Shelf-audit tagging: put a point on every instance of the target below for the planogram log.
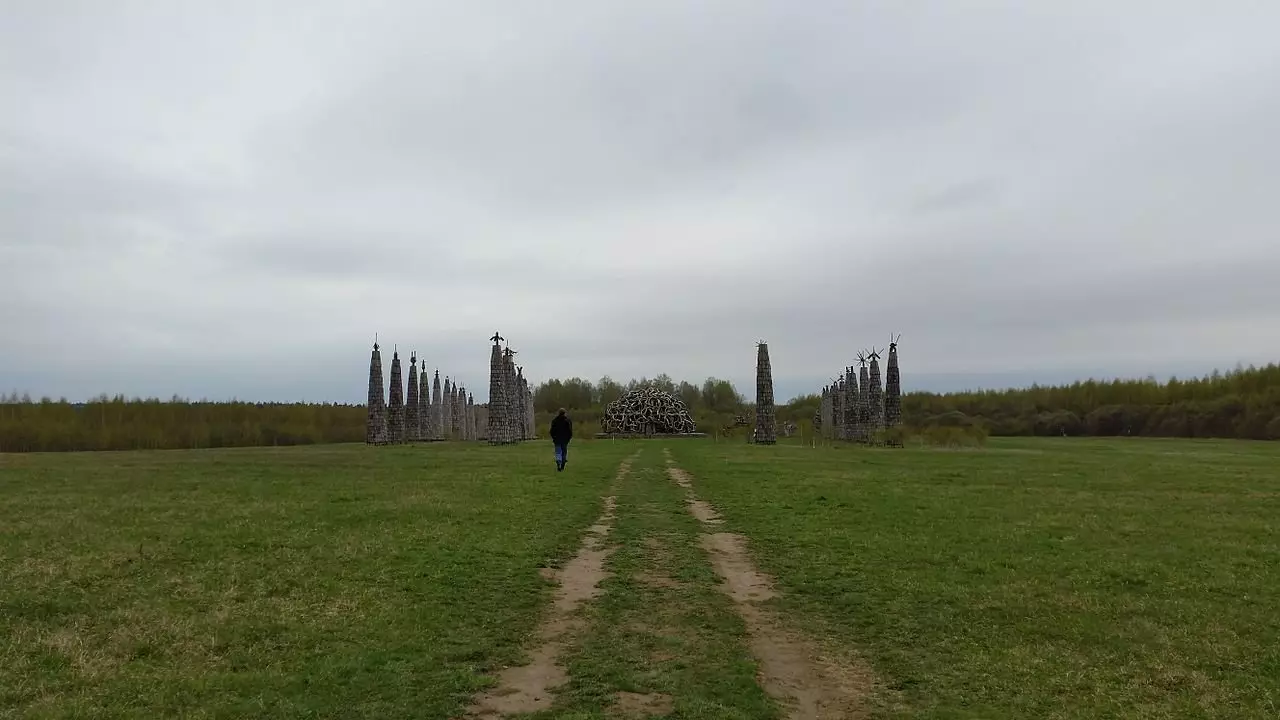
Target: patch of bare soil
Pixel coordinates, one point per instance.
(682, 478)
(742, 582)
(639, 705)
(701, 509)
(809, 684)
(528, 688)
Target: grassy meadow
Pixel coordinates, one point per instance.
(1051, 578)
(310, 581)
(1064, 578)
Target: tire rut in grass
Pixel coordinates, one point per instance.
(529, 688)
(663, 641)
(808, 683)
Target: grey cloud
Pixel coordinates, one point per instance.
(957, 196)
(230, 200)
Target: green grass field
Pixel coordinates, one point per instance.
(1036, 578)
(337, 581)
(1032, 578)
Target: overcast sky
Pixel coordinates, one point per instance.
(231, 198)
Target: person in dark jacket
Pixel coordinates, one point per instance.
(561, 434)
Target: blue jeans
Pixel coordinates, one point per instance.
(562, 454)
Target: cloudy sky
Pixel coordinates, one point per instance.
(231, 198)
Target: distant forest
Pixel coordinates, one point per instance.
(1243, 403)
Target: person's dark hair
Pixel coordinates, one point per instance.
(561, 411)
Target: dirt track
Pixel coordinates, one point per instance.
(808, 684)
(792, 669)
(530, 687)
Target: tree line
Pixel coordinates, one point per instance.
(152, 424)
(713, 404)
(1241, 403)
(713, 394)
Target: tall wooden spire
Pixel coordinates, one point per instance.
(412, 420)
(395, 402)
(766, 418)
(375, 432)
(497, 394)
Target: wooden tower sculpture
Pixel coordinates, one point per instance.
(437, 409)
(532, 421)
(462, 412)
(854, 391)
(424, 404)
(864, 397)
(893, 388)
(375, 429)
(446, 411)
(837, 408)
(471, 417)
(511, 401)
(497, 393)
(412, 420)
(766, 414)
(395, 402)
(457, 412)
(850, 404)
(522, 408)
(875, 400)
(824, 413)
(527, 420)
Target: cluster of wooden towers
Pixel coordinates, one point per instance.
(510, 410)
(421, 412)
(856, 407)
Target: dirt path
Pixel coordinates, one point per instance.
(807, 683)
(529, 688)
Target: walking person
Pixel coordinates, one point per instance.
(561, 434)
